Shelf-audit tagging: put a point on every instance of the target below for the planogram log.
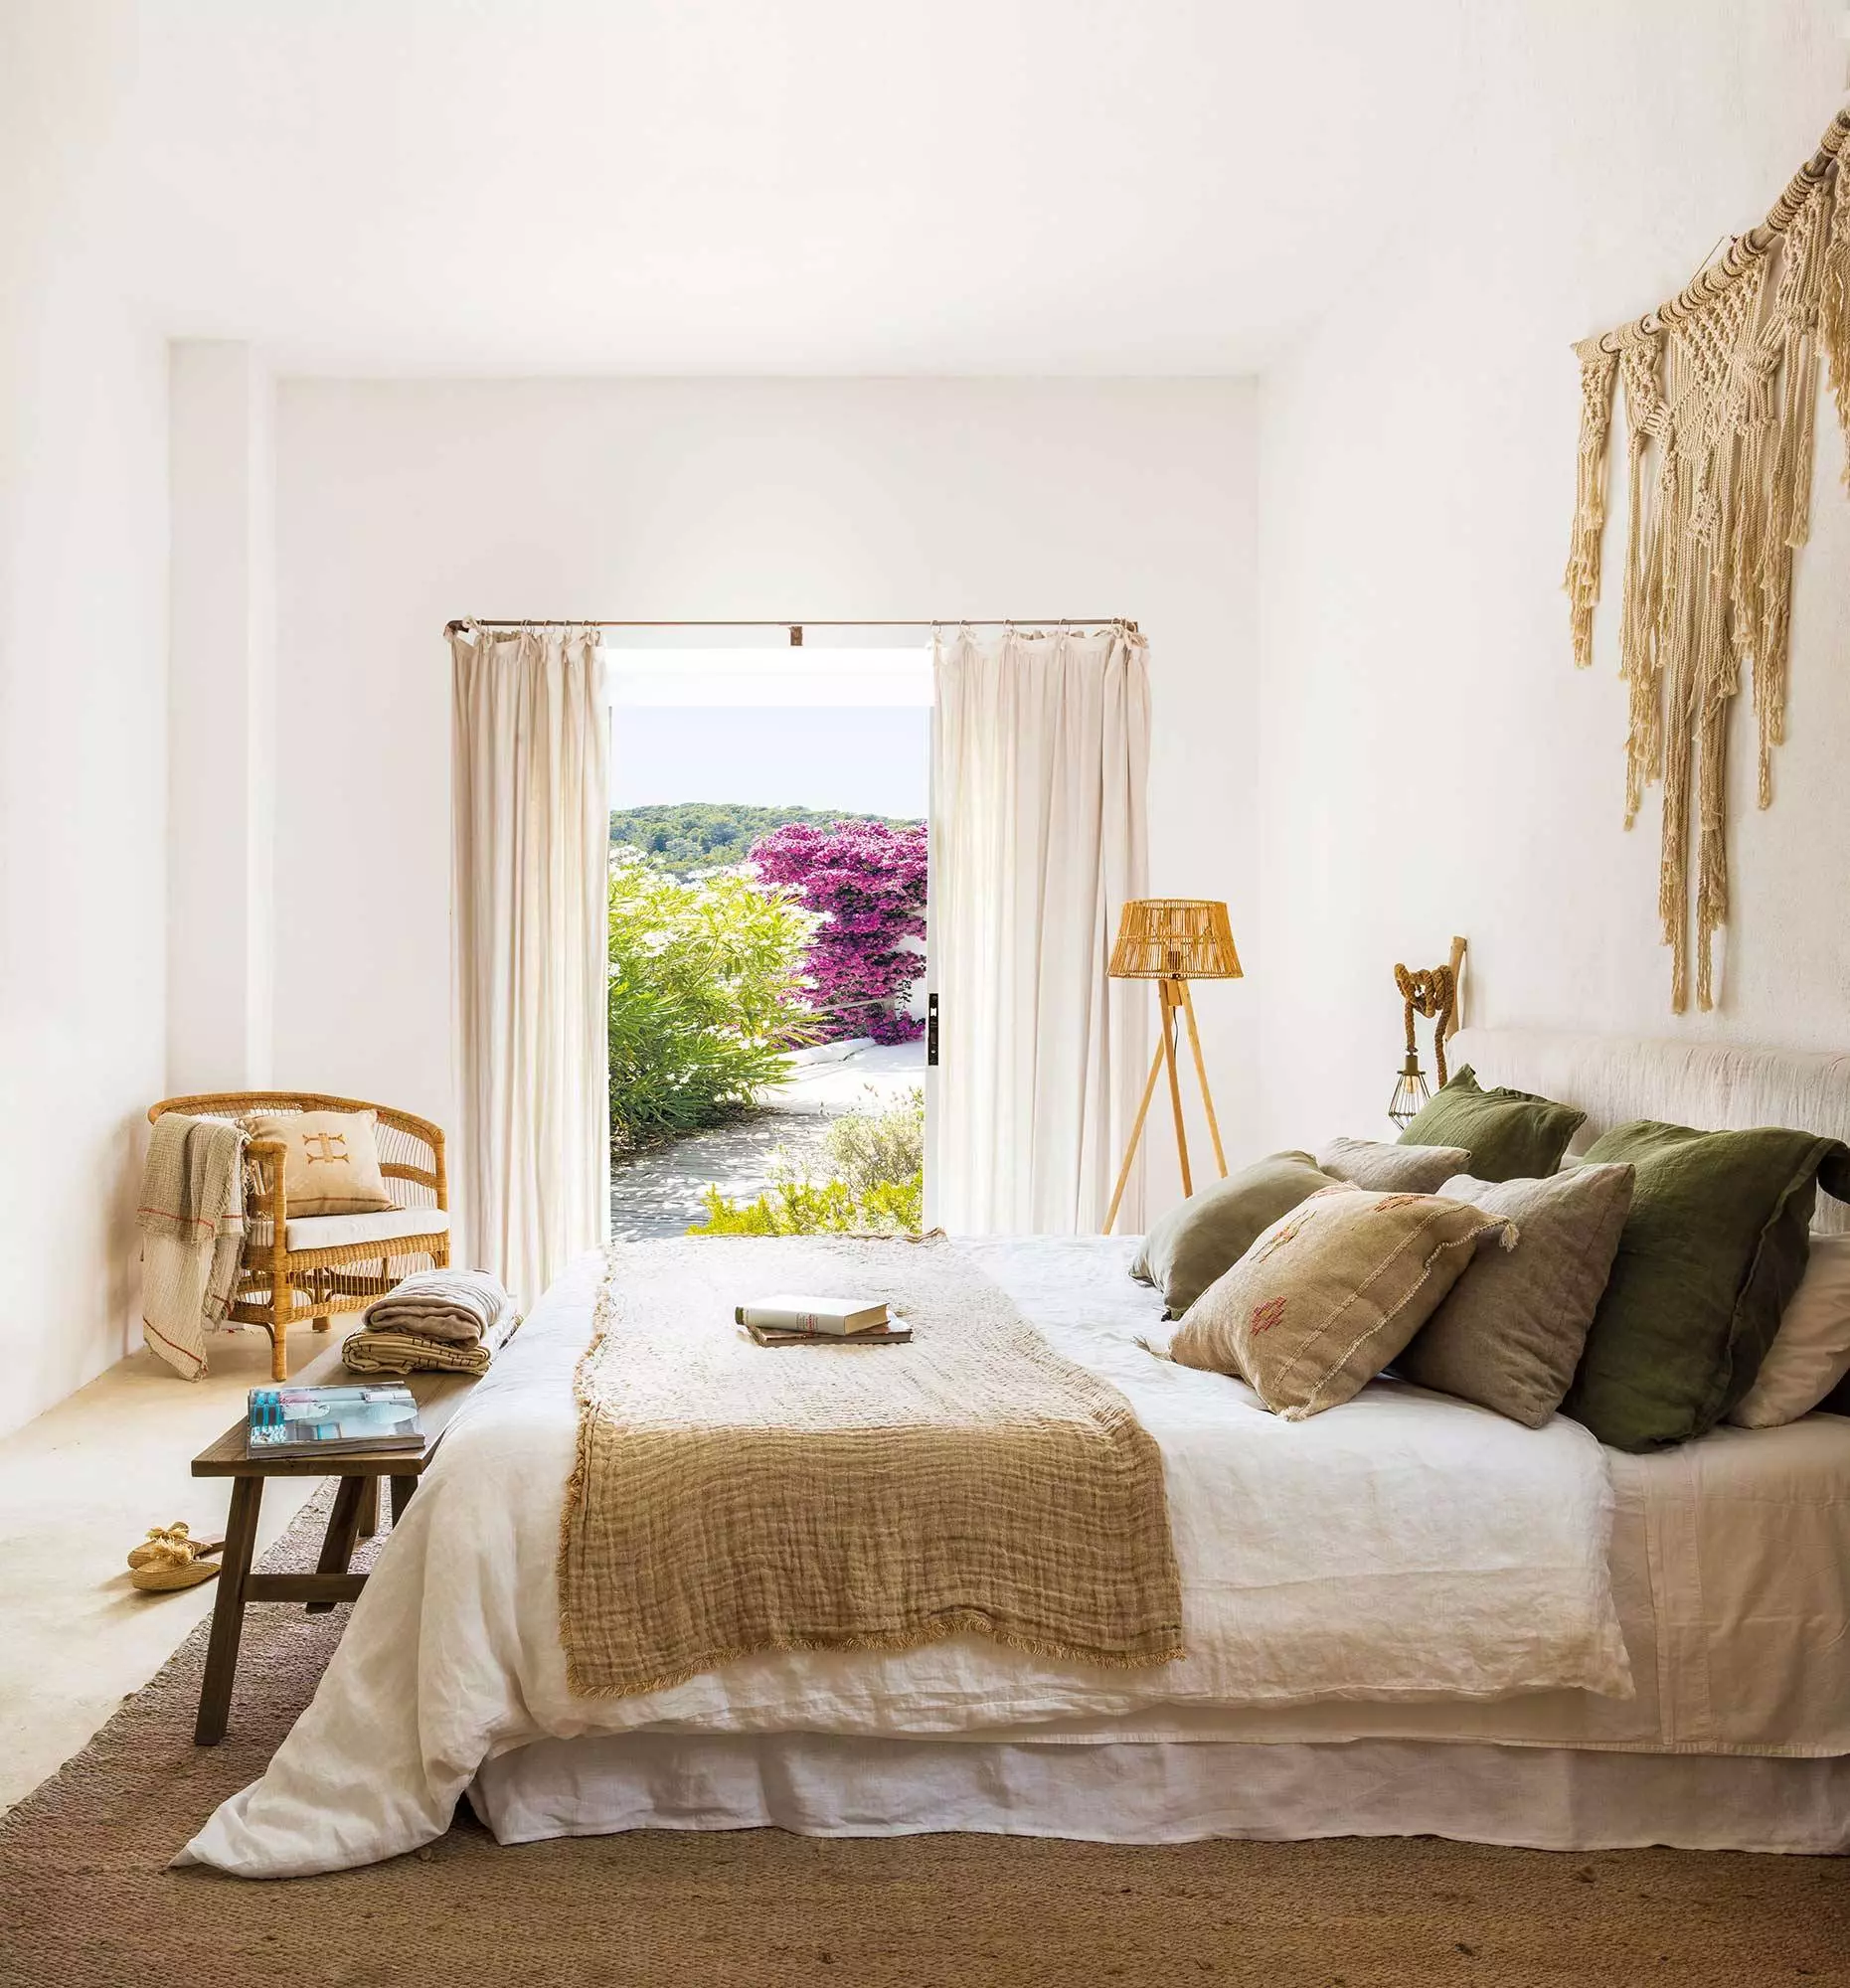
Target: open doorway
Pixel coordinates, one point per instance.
(769, 853)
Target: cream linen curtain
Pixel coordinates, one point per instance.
(1040, 772)
(531, 750)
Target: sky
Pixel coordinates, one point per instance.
(864, 760)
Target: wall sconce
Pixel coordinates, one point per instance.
(1432, 991)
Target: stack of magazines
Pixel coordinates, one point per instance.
(332, 1421)
(788, 1319)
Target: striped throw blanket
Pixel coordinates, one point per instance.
(192, 1223)
(727, 1499)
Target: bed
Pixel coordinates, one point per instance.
(1408, 1616)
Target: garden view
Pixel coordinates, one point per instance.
(764, 963)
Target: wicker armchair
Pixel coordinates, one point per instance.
(298, 1267)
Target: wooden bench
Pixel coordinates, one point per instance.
(356, 1506)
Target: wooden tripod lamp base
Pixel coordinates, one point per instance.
(1173, 941)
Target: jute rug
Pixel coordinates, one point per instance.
(85, 1897)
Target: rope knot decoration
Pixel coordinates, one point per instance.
(1432, 991)
(1721, 396)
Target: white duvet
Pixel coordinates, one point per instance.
(1402, 1546)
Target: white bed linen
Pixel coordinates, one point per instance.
(821, 1784)
(1407, 1548)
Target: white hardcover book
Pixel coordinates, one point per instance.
(797, 1312)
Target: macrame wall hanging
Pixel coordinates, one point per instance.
(1721, 394)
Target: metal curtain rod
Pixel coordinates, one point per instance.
(1744, 249)
(791, 621)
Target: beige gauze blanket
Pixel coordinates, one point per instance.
(730, 1498)
(192, 1223)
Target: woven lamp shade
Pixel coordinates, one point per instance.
(1175, 938)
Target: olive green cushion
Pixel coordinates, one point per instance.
(1509, 1134)
(1187, 1248)
(1710, 1255)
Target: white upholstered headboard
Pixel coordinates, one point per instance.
(1709, 1085)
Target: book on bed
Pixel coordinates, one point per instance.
(332, 1421)
(810, 1316)
(893, 1333)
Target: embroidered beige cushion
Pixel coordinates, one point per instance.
(1331, 1293)
(330, 1162)
(1393, 1169)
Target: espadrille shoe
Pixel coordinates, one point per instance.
(173, 1563)
(174, 1535)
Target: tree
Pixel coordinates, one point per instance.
(706, 835)
(865, 883)
(705, 997)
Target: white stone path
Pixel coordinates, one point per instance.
(659, 1191)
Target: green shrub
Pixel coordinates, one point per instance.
(810, 1207)
(879, 1183)
(870, 1149)
(701, 976)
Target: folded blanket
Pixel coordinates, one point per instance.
(372, 1352)
(456, 1305)
(192, 1223)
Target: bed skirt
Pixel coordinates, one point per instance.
(815, 1784)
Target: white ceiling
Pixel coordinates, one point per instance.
(752, 186)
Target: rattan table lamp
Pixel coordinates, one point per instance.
(1173, 941)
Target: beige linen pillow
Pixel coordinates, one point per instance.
(1511, 1332)
(1389, 1169)
(330, 1161)
(1330, 1293)
(1810, 1353)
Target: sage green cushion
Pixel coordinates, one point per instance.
(1710, 1255)
(1187, 1248)
(1511, 1331)
(1509, 1134)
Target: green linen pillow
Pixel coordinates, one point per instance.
(1711, 1253)
(1510, 1134)
(1187, 1248)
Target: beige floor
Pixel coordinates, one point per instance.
(79, 1487)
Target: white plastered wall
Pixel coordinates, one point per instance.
(83, 717)
(401, 504)
(1430, 760)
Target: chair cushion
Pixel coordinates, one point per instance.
(339, 1231)
(330, 1160)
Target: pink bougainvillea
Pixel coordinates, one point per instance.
(867, 883)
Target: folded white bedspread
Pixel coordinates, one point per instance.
(1402, 1548)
